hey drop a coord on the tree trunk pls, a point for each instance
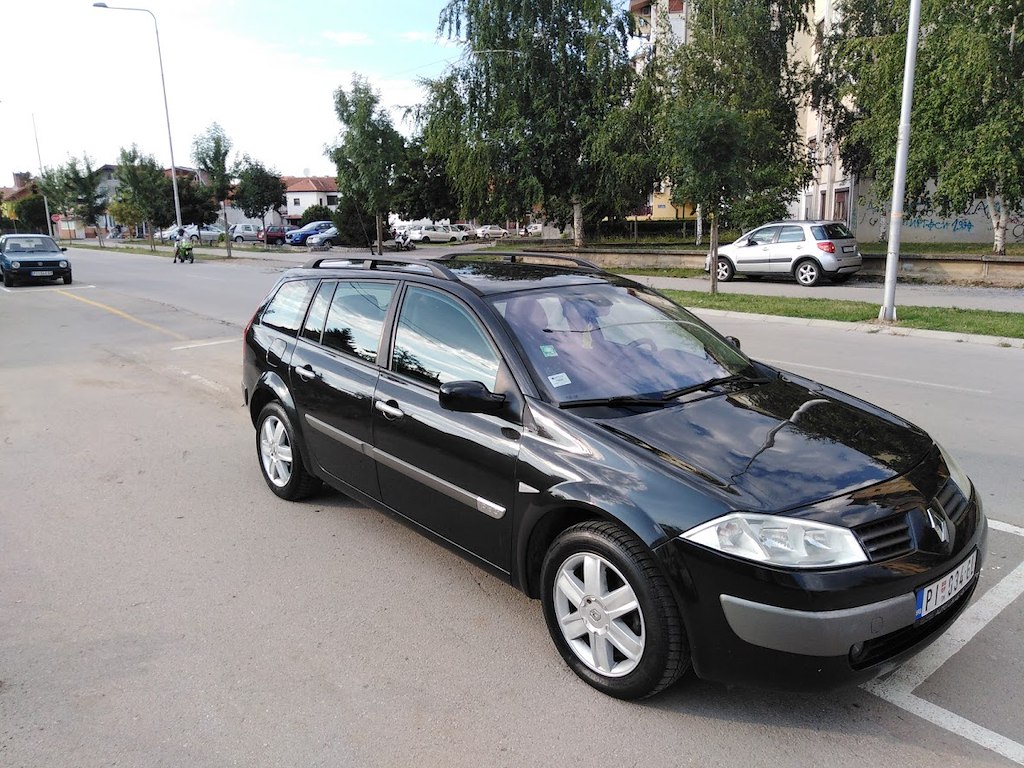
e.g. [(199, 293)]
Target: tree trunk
[(714, 254), (700, 224), (577, 223), (1000, 218), (380, 234), (227, 229)]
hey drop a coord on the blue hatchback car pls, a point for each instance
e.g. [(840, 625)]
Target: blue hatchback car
[(34, 258), (299, 236)]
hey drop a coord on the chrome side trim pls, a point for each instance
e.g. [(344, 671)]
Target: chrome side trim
[(440, 485), (433, 482), (524, 488), (342, 437)]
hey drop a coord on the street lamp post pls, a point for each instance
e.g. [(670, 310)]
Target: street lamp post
[(167, 112)]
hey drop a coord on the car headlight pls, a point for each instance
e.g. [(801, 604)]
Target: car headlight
[(782, 541), (956, 474), (15, 265), (63, 265)]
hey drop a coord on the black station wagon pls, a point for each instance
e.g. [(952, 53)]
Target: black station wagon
[(673, 504)]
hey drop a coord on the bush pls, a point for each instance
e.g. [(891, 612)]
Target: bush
[(316, 213)]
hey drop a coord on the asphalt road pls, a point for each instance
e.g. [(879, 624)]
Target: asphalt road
[(159, 607)]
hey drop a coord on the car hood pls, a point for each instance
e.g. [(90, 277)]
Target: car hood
[(779, 445), (35, 258)]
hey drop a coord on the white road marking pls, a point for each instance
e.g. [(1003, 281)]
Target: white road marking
[(861, 374), (898, 688), (208, 383), (205, 344), (43, 288)]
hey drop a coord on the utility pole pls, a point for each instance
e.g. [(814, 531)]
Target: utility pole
[(887, 312)]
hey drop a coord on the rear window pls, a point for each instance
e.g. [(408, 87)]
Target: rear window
[(834, 231), (286, 310)]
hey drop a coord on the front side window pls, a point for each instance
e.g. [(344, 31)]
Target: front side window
[(763, 236), (607, 341), (286, 310), (438, 340)]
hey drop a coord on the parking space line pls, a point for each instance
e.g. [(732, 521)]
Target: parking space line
[(199, 344), (861, 374), (124, 315), (954, 723), (898, 688)]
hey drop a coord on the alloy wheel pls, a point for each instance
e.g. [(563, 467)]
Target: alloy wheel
[(275, 451)]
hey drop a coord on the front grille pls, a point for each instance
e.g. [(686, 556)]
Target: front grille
[(885, 647), (886, 538), (952, 501)]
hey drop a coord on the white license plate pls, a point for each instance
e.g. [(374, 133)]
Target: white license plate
[(848, 248), (43, 273), (938, 593)]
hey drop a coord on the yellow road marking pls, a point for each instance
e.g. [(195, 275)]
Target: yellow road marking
[(125, 315)]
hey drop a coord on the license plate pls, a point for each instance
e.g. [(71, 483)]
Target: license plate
[(43, 273), (938, 593), (848, 248)]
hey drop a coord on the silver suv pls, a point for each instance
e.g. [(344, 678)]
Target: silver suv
[(806, 250)]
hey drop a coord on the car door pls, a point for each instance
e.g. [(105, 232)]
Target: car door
[(334, 375), (755, 255), (453, 473), (789, 247)]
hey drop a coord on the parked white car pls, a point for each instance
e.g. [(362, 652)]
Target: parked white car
[(491, 230), (435, 233), (243, 232)]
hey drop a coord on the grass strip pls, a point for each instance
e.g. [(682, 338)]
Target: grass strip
[(972, 321)]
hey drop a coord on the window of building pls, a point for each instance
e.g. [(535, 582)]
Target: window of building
[(840, 208), (332, 199), (295, 201)]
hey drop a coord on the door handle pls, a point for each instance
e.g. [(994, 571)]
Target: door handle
[(389, 411), (306, 373)]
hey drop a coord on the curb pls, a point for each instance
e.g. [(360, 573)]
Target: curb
[(962, 338)]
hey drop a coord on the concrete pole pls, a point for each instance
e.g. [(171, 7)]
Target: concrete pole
[(887, 312)]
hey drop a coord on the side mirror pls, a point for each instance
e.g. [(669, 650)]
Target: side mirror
[(733, 340), (469, 397)]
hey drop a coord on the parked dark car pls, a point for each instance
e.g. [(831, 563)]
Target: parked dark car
[(300, 235), (673, 503), (32, 258), (275, 233)]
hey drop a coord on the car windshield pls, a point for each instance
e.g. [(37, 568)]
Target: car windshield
[(30, 245), (602, 342)]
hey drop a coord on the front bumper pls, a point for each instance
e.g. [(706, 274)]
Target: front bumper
[(24, 273), (811, 630)]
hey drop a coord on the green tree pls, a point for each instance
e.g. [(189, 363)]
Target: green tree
[(315, 213), (198, 203), (210, 153), (369, 151), (31, 213), (422, 187), (75, 190), (967, 124), (729, 118), (526, 116), (144, 190), (259, 191)]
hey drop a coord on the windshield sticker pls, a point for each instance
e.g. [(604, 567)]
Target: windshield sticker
[(559, 380), (548, 351)]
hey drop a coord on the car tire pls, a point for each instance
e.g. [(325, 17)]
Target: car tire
[(194, 238), (635, 654), (67, 279), (327, 243), (239, 239), (425, 240), (280, 457), (807, 272), (726, 271)]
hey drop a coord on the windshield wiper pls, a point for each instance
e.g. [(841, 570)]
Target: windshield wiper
[(705, 386), (613, 401)]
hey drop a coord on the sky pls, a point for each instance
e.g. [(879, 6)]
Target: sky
[(265, 71)]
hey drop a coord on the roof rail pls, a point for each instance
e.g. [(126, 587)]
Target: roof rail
[(513, 256), (379, 262)]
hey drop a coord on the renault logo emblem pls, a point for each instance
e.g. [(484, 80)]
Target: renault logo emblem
[(937, 521)]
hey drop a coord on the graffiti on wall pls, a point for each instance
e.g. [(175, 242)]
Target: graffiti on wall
[(971, 225)]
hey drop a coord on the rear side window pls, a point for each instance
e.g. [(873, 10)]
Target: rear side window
[(791, 234), (286, 310), (355, 322)]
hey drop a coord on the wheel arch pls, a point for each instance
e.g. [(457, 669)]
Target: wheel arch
[(546, 518)]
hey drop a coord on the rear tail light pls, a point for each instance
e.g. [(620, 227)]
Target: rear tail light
[(827, 247)]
